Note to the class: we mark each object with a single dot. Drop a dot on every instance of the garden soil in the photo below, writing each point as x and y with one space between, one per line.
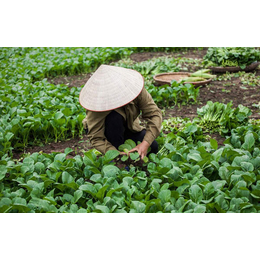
218 91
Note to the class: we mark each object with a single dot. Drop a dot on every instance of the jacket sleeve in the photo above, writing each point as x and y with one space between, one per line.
96 131
152 114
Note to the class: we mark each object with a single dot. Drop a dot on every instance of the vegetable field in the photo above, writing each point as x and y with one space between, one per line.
209 146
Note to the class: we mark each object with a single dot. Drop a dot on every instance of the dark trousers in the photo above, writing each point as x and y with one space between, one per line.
116 132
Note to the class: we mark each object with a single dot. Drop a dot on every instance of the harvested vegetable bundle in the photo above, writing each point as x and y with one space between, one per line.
200 75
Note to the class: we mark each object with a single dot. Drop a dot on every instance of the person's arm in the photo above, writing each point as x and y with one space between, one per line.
96 131
153 116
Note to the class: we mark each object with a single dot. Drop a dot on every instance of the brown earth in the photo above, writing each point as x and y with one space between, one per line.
217 91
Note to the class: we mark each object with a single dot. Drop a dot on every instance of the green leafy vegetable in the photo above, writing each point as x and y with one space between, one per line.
231 56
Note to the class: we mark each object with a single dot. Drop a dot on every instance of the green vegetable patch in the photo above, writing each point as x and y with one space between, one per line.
191 173
231 56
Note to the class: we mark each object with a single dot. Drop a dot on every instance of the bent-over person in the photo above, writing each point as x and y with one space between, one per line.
114 98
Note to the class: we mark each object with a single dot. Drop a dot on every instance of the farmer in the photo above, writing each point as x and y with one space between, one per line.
114 98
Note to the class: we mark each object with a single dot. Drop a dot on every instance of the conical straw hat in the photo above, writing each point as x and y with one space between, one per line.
111 87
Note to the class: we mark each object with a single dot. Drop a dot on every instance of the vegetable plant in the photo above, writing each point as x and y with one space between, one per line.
231 56
175 94
219 117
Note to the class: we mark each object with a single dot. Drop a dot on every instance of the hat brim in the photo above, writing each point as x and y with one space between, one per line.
111 87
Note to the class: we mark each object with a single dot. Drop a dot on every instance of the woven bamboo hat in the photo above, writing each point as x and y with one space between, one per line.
111 87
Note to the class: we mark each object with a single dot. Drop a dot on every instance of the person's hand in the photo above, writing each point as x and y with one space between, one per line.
141 149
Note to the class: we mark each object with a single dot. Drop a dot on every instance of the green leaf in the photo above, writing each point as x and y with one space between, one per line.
185 203
28 161
134 156
20 204
5 204
166 163
249 177
256 162
74 208
101 192
179 203
214 144
138 206
169 147
39 167
60 157
19 201
200 209
128 181
68 197
110 155
25 169
8 136
82 211
77 195
3 171
222 203
123 147
219 184
102 209
249 141
180 183
94 170
39 205
175 173
191 128
110 171
145 159
58 115
90 158
96 178
131 143
89 188
196 193
209 191
247 166
164 196
235 205
68 150
67 178
217 154
153 157
239 159
124 158
67 112
165 186
255 194
215 164
194 156
224 173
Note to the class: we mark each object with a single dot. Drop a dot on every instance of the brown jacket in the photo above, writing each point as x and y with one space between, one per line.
95 121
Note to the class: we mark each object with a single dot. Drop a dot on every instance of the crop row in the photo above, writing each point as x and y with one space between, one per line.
36 113
18 64
193 176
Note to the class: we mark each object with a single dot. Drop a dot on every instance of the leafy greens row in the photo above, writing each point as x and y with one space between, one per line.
194 176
